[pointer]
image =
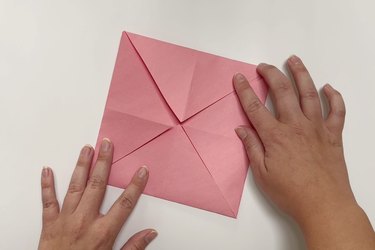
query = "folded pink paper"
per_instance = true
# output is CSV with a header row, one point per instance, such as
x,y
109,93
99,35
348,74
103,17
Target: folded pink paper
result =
x,y
174,110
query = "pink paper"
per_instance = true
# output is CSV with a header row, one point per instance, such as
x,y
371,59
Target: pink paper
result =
x,y
174,109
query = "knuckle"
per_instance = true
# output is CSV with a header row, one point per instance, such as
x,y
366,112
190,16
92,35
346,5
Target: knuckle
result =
x,y
250,147
47,235
276,135
126,201
136,246
298,128
310,94
283,85
253,106
49,204
340,113
45,185
75,188
335,141
103,233
79,222
249,144
337,144
96,182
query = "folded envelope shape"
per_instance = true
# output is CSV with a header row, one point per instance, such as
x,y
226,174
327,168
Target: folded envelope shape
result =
x,y
173,109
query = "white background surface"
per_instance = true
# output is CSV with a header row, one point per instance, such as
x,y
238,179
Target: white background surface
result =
x,y
56,62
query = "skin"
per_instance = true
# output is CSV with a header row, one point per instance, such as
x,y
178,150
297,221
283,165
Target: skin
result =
x,y
297,158
79,224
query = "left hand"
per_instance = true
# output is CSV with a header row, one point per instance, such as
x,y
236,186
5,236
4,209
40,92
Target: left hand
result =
x,y
79,224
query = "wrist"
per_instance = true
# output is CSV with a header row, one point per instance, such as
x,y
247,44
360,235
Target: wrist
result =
x,y
343,225
326,213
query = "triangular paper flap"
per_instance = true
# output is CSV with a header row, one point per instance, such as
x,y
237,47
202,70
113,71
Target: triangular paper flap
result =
x,y
181,177
189,80
212,134
225,161
220,118
127,132
212,80
172,68
133,90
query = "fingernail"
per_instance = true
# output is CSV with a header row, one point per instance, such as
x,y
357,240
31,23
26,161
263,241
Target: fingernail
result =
x,y
239,77
86,150
151,236
328,86
294,59
45,172
142,172
241,132
262,65
106,144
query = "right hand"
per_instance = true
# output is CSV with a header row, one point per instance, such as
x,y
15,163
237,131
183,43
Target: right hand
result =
x,y
297,158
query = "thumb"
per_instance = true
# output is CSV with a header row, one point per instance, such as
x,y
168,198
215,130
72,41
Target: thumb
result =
x,y
140,240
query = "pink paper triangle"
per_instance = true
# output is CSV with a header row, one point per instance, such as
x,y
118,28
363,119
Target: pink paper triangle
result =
x,y
189,80
212,134
212,80
123,130
180,177
225,161
133,90
173,74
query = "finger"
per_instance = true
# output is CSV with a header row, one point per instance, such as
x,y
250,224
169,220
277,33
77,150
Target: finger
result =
x,y
140,240
125,204
336,116
259,116
50,203
79,180
254,149
93,195
309,98
282,91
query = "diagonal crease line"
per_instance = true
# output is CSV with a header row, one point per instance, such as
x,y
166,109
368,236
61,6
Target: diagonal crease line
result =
x,y
154,138
191,85
200,157
205,131
170,127
231,92
136,116
140,57
207,107
222,136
